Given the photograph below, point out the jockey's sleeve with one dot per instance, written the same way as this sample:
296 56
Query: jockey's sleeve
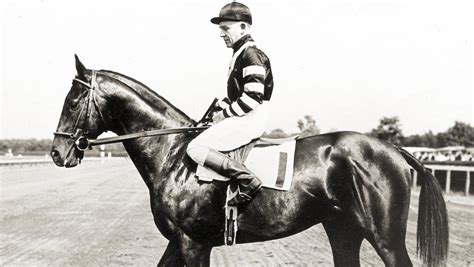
253 77
224 103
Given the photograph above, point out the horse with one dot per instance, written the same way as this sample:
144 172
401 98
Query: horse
357 186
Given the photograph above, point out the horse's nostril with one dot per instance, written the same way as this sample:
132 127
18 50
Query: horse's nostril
54 153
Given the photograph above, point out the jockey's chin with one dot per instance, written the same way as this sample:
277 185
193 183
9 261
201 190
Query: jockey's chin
228 43
65 155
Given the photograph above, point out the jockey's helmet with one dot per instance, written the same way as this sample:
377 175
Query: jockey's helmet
234 11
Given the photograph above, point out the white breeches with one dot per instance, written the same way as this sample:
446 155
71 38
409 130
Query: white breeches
229 134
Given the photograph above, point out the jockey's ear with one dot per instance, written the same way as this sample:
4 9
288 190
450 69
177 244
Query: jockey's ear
81 70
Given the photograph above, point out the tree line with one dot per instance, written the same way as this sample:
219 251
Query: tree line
389 129
460 134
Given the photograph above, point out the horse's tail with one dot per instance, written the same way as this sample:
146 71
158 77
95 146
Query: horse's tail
432 233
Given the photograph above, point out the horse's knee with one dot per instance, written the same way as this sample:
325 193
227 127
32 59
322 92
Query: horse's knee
195 253
172 256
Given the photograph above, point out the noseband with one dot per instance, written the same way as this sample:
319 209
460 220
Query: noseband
81 129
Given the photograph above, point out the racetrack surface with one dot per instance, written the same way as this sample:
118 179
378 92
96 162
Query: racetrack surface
99 214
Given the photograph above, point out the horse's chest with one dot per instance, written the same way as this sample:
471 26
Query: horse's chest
197 211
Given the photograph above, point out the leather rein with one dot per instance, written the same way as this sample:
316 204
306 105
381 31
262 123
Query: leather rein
79 133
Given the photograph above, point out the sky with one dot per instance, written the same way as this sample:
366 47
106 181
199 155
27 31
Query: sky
346 63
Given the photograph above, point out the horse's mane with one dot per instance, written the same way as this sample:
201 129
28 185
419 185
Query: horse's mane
145 92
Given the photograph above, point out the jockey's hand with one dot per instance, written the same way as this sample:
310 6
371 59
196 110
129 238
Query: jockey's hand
217 117
220 105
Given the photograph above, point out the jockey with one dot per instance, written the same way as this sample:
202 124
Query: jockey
243 113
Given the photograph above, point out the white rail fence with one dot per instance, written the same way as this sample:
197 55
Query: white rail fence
448 169
31 162
24 162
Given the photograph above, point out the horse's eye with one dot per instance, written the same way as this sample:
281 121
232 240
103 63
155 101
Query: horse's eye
74 99
75 104
72 104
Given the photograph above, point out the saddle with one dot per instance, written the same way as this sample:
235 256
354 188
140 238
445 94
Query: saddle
276 154
241 154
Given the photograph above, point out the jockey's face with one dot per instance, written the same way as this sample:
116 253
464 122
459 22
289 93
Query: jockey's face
232 31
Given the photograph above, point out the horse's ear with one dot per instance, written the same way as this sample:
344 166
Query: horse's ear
81 70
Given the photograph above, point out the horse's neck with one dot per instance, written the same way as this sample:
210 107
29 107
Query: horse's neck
153 156
160 160
133 114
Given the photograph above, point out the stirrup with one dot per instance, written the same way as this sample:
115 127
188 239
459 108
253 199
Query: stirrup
231 213
242 198
239 200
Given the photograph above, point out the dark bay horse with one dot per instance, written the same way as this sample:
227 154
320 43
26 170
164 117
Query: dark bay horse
358 187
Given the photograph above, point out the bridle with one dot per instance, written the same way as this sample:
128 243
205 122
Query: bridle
81 128
80 132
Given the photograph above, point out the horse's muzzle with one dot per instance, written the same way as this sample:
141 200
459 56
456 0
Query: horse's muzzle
65 154
63 161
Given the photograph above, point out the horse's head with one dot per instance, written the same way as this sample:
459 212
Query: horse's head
82 117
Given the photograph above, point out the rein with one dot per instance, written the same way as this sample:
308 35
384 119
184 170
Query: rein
109 140
79 135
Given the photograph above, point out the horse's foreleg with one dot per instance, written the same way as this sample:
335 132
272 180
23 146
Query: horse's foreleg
345 240
195 253
172 255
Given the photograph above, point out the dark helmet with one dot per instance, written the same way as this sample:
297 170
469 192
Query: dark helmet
234 11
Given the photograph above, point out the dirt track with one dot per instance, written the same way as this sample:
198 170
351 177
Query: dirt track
99 214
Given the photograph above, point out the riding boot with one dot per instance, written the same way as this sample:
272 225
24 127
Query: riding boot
248 182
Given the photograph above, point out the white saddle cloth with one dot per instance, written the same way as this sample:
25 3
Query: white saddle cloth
273 165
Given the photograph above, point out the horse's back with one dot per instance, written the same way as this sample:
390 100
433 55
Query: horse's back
351 145
373 161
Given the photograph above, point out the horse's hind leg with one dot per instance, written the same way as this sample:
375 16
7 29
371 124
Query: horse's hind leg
388 224
345 239
172 255
389 242
379 206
